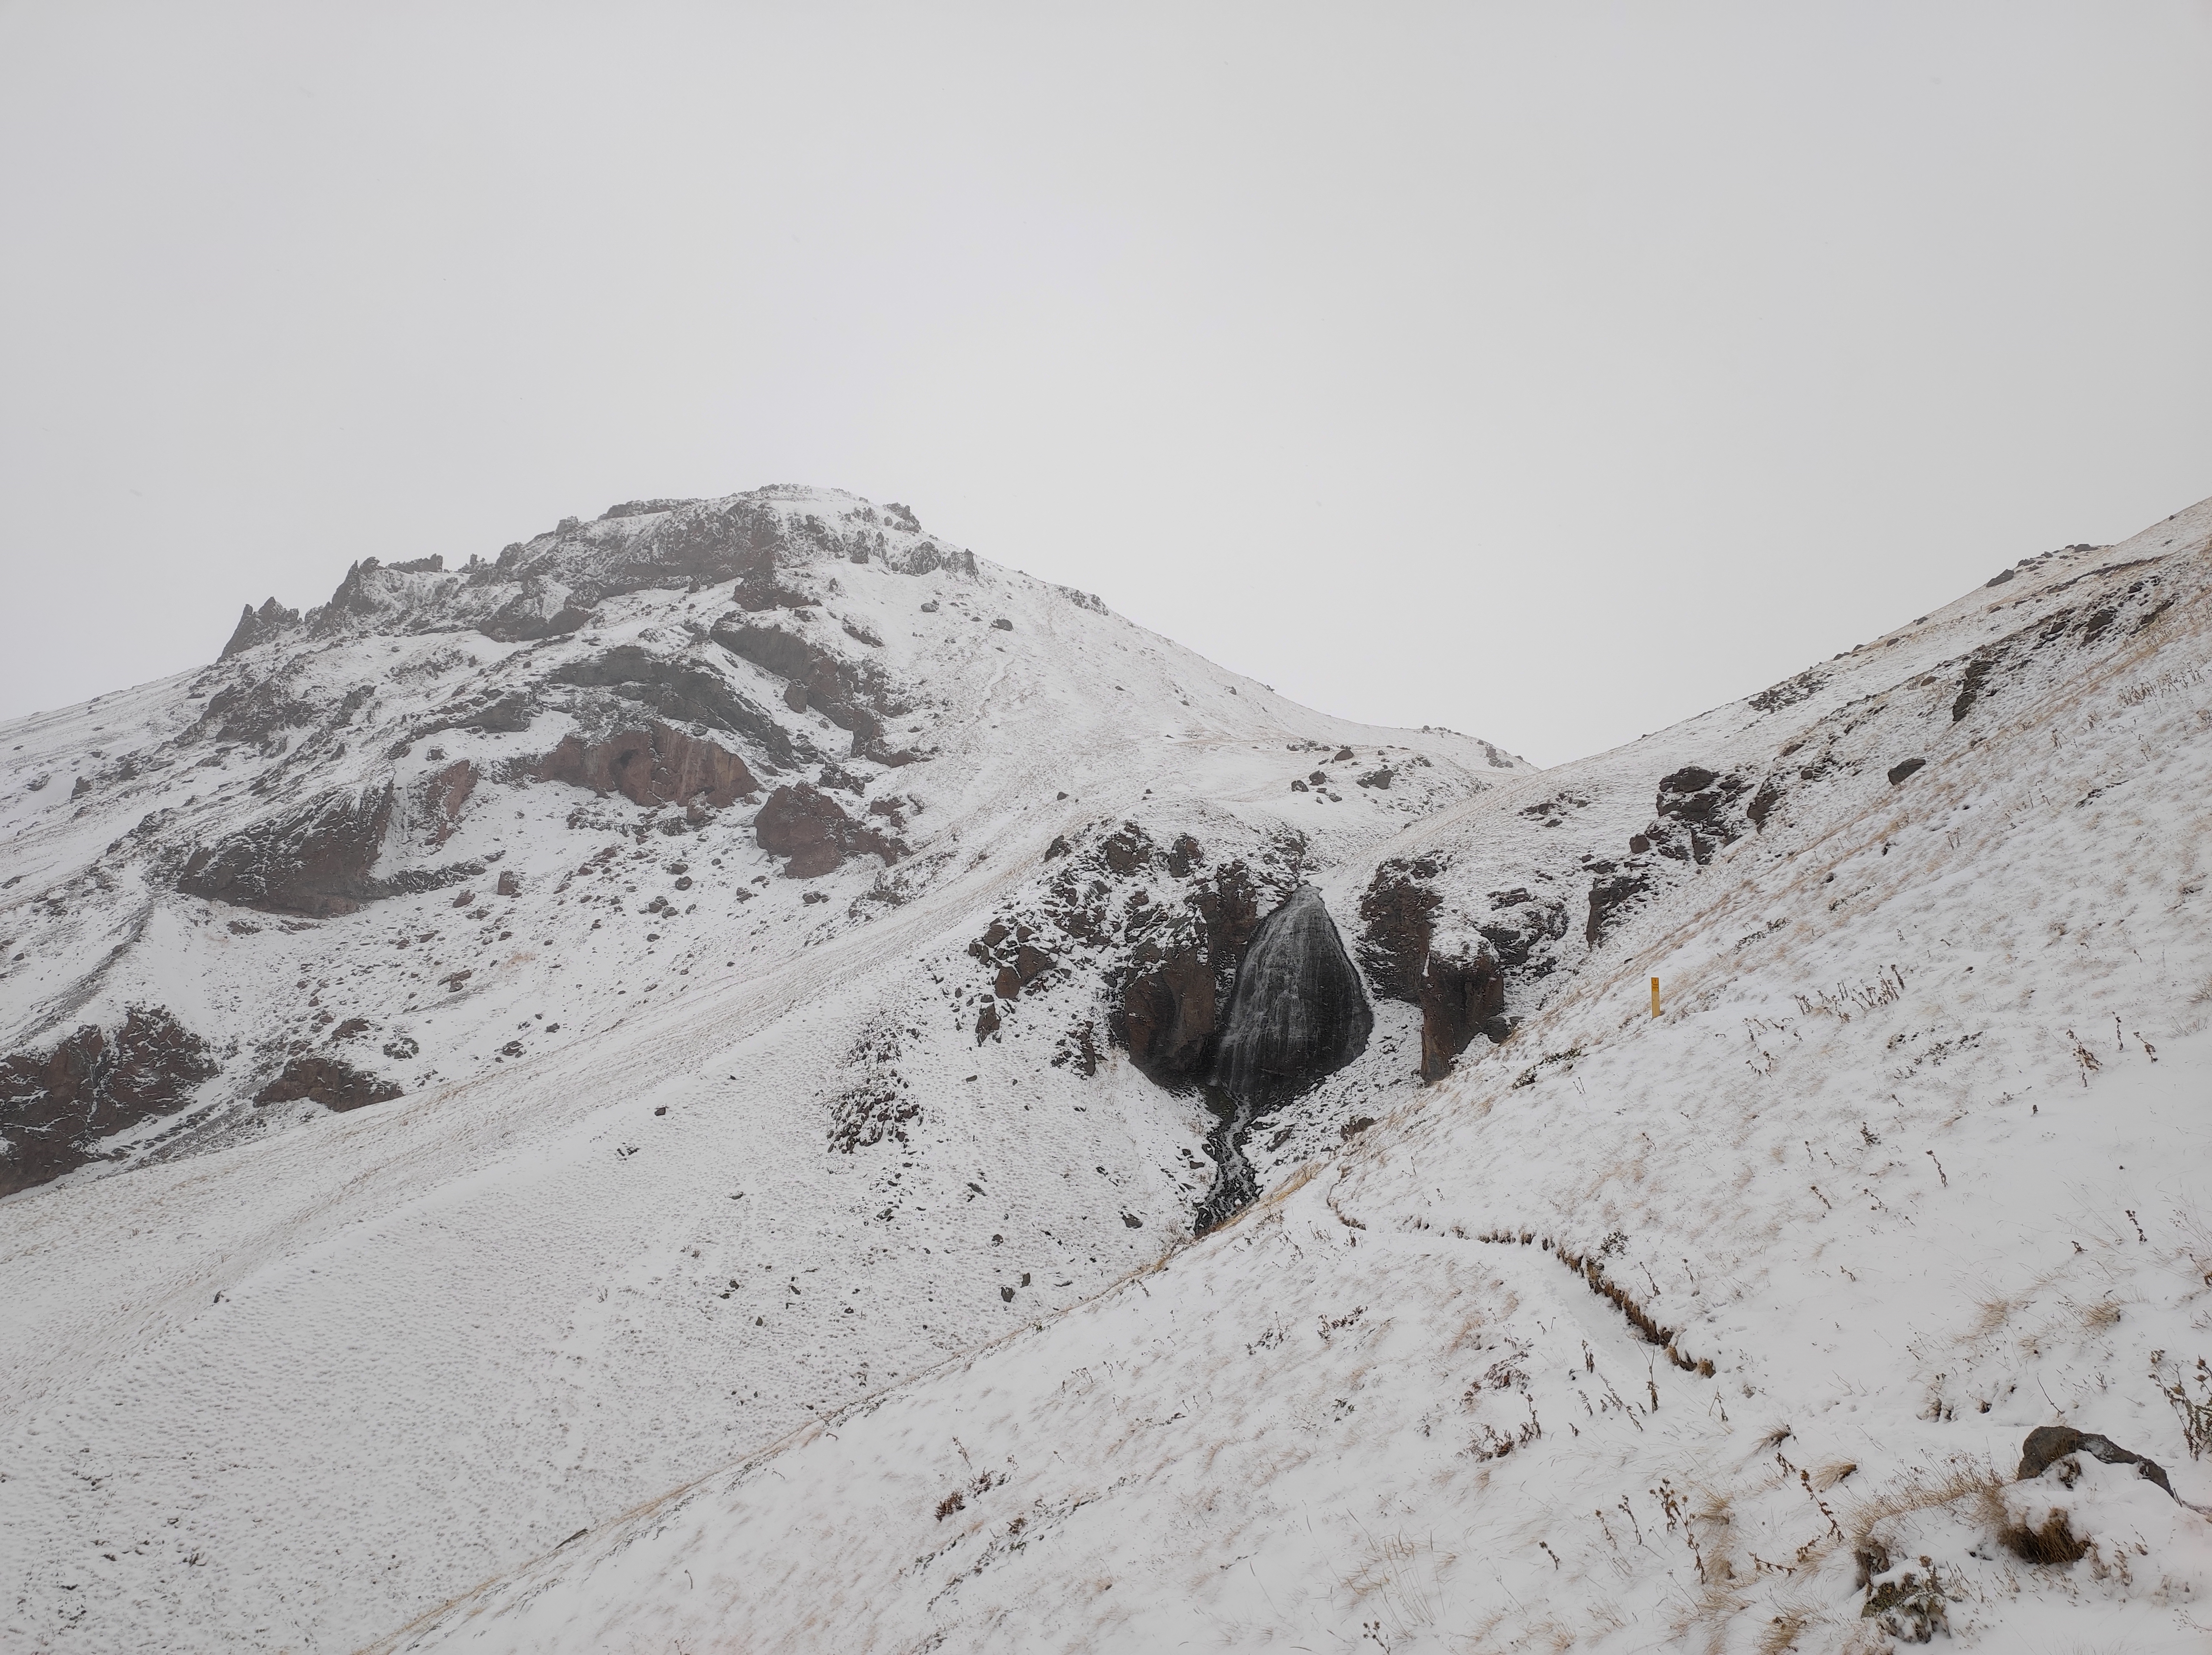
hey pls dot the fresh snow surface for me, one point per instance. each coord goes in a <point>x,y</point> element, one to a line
<point>1912,1163</point>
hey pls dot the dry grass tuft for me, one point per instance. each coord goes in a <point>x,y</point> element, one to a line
<point>2054,1543</point>
<point>1920,1490</point>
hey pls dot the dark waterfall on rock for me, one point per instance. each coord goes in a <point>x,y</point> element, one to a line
<point>1297,1013</point>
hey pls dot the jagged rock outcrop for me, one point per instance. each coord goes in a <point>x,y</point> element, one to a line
<point>854,695</point>
<point>1397,914</point>
<point>54,1107</point>
<point>326,1081</point>
<point>542,609</point>
<point>681,689</point>
<point>1463,995</point>
<point>1299,1011</point>
<point>1697,814</point>
<point>259,626</point>
<point>314,860</point>
<point>813,831</point>
<point>1612,888</point>
<point>657,765</point>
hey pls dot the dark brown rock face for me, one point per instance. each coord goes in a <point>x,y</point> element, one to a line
<point>1611,889</point>
<point>1462,997</point>
<point>444,796</point>
<point>1299,1011</point>
<point>54,1108</point>
<point>1168,1016</point>
<point>1397,914</point>
<point>812,829</point>
<point>314,860</point>
<point>657,765</point>
<point>1168,1011</point>
<point>326,1081</point>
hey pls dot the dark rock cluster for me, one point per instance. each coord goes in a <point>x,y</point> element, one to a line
<point>855,695</point>
<point>657,765</point>
<point>334,1085</point>
<point>314,860</point>
<point>811,828</point>
<point>1461,996</point>
<point>259,626</point>
<point>55,1105</point>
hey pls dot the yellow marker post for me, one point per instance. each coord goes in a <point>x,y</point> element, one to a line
<point>1655,997</point>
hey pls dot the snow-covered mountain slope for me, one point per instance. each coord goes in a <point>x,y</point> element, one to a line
<point>1718,1329</point>
<point>513,1037</point>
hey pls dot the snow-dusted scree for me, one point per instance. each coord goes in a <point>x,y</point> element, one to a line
<point>655,1093</point>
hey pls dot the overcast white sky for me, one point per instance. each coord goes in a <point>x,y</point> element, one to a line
<point>1548,370</point>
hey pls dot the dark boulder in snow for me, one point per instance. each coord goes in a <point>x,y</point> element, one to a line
<point>1299,1011</point>
<point>326,1081</point>
<point>812,829</point>
<point>657,765</point>
<point>2048,1444</point>
<point>1463,995</point>
<point>55,1106</point>
<point>314,860</point>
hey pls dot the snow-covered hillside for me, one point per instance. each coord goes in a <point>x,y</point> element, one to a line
<point>511,1037</point>
<point>778,1234</point>
<point>1716,1330</point>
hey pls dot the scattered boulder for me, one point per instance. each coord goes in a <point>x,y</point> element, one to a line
<point>657,765</point>
<point>813,831</point>
<point>314,860</point>
<point>1463,995</point>
<point>1299,1012</point>
<point>1898,773</point>
<point>55,1106</point>
<point>334,1085</point>
<point>1972,683</point>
